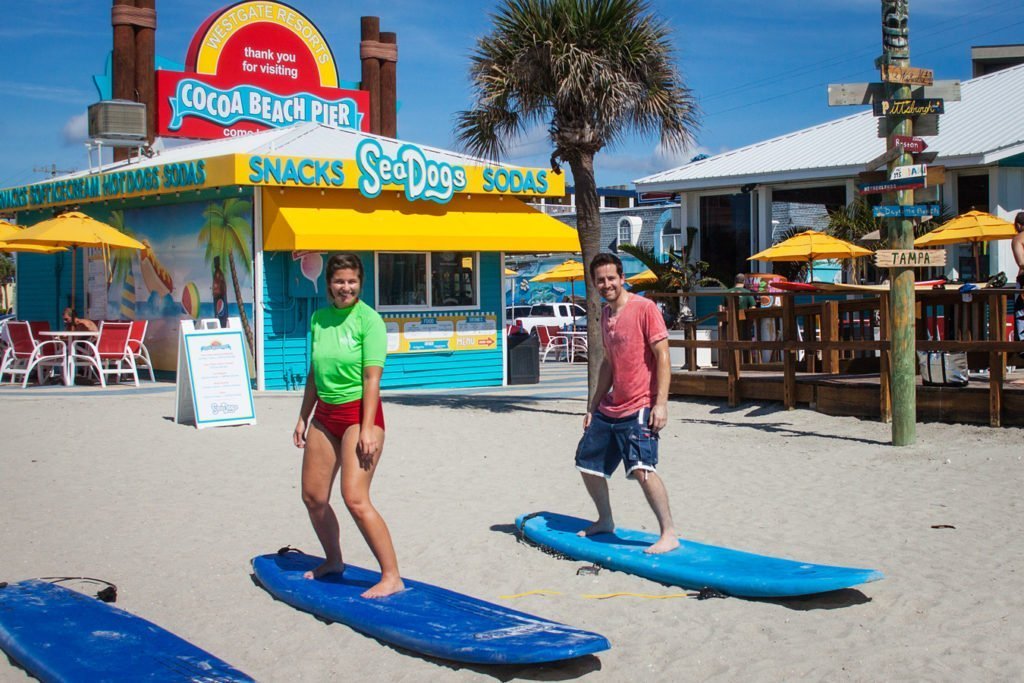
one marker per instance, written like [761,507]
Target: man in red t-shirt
[630,405]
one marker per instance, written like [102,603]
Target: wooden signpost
[910,258]
[842,94]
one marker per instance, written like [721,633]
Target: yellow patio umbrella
[509,271]
[972,227]
[810,246]
[570,271]
[647,277]
[8,231]
[74,229]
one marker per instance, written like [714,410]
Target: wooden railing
[837,335]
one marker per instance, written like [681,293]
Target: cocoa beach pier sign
[254,66]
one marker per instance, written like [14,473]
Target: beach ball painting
[190,300]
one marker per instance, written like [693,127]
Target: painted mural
[197,264]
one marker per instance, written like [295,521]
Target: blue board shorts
[611,440]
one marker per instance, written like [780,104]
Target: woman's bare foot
[663,545]
[325,569]
[385,588]
[601,526]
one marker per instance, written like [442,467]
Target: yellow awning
[346,221]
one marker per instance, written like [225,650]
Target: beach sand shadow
[493,404]
[783,428]
[844,597]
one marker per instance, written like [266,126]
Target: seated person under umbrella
[80,324]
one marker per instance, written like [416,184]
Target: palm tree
[679,274]
[227,231]
[589,70]
[122,269]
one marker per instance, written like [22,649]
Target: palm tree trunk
[241,305]
[588,225]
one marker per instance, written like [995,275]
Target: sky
[756,69]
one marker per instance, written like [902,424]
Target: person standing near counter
[341,422]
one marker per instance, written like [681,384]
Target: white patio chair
[25,354]
[109,355]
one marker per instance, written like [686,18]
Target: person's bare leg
[657,498]
[355,489]
[319,467]
[597,487]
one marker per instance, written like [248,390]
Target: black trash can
[523,358]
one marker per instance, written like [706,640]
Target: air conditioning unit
[118,123]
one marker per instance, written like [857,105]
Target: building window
[403,280]
[672,240]
[628,231]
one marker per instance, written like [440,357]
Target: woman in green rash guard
[345,432]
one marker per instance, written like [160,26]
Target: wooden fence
[850,334]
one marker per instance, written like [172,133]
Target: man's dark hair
[1019,221]
[740,279]
[604,259]
[341,262]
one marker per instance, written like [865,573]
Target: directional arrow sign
[914,145]
[907,75]
[891,186]
[915,171]
[912,258]
[909,211]
[840,94]
[911,107]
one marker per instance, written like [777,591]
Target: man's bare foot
[663,545]
[385,588]
[325,569]
[599,527]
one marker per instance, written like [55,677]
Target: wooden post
[369,28]
[830,327]
[123,59]
[733,327]
[896,52]
[145,62]
[389,88]
[789,356]
[690,332]
[997,359]
[884,377]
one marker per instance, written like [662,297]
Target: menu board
[213,379]
[466,332]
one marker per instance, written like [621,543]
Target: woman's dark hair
[343,261]
[604,259]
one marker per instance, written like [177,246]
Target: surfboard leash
[108,594]
[604,596]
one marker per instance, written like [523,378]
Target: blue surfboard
[58,634]
[423,618]
[692,565]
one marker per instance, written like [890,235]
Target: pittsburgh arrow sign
[909,107]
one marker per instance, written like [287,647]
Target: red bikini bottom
[336,418]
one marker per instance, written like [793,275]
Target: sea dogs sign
[419,173]
[253,66]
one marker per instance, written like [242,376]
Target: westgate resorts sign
[254,66]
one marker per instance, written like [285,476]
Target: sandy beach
[105,484]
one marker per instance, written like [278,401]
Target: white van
[558,315]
